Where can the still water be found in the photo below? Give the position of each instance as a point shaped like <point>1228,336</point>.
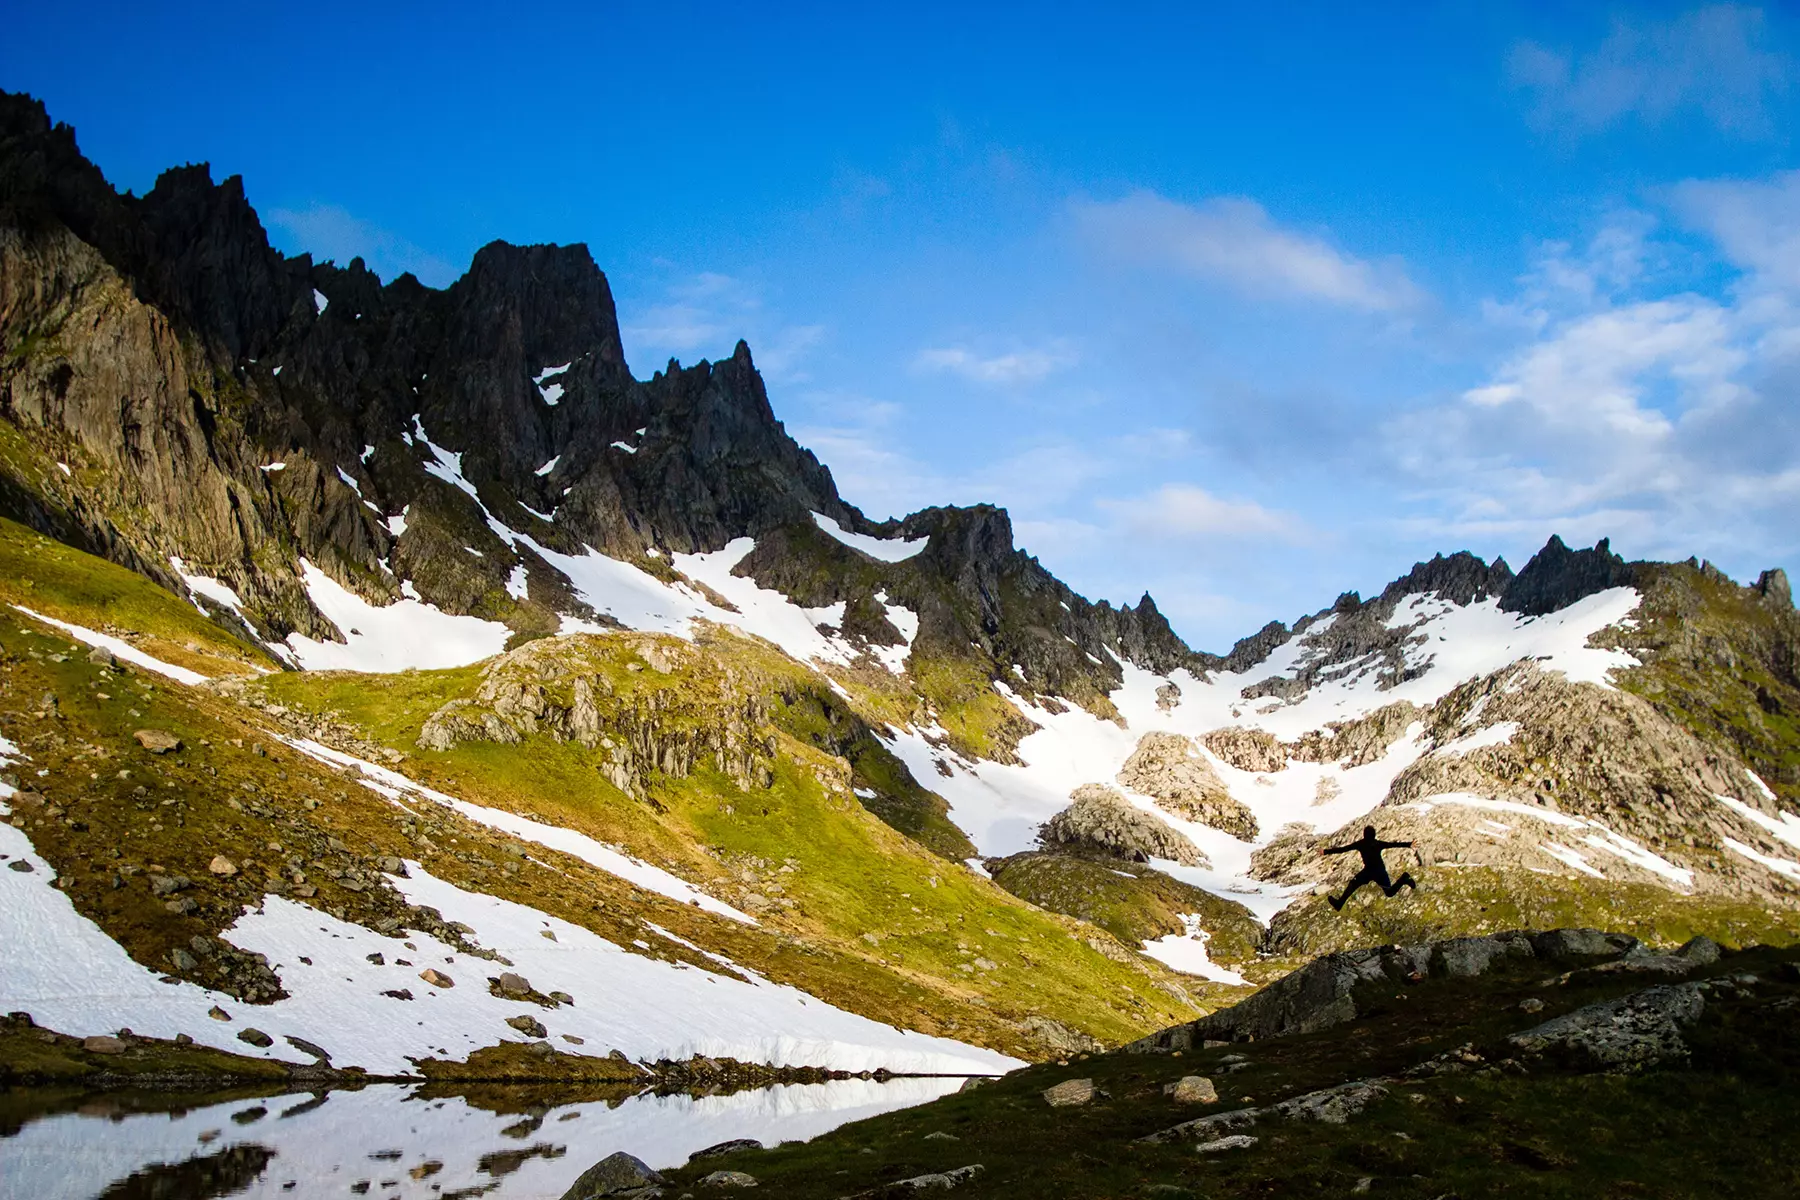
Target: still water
<point>393,1140</point>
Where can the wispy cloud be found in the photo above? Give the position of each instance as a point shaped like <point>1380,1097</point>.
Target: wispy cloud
<point>705,313</point>
<point>1186,512</point>
<point>1235,241</point>
<point>1714,61</point>
<point>329,232</point>
<point>1011,368</point>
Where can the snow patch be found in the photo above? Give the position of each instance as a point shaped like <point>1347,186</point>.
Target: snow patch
<point>1186,952</point>
<point>400,636</point>
<point>120,649</point>
<point>550,393</point>
<point>320,301</point>
<point>890,550</point>
<point>548,467</point>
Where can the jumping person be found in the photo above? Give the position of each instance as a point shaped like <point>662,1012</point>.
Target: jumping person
<point>1373,869</point>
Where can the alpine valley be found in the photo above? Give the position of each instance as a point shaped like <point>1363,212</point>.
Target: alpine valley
<point>393,687</point>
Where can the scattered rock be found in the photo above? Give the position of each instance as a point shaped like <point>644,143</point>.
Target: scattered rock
<point>313,1048</point>
<point>728,1179</point>
<point>436,978</point>
<point>528,1025</point>
<point>511,984</point>
<point>22,866</point>
<point>255,1037</point>
<point>157,741</point>
<point>103,1044</point>
<point>399,993</point>
<point>220,865</point>
<point>1069,1093</point>
<point>1192,1089</point>
<point>181,906</point>
<point>181,960</point>
<point>1531,1004</point>
<point>563,998</point>
<point>167,885</point>
<point>100,656</point>
<point>618,1174</point>
<point>218,1014</point>
<point>1236,1141</point>
<point>938,1135</point>
<point>721,1149</point>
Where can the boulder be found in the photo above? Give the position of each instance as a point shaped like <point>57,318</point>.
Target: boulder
<point>721,1149</point>
<point>1192,1089</point>
<point>528,1025</point>
<point>901,1189</point>
<point>1236,1141</point>
<point>100,656</point>
<point>511,984</point>
<point>728,1179</point>
<point>618,1174</point>
<point>1468,956</point>
<point>255,1037</point>
<point>220,865</point>
<point>1564,945</point>
<point>157,741</point>
<point>1070,1093</point>
<point>103,1044</point>
<point>436,978</point>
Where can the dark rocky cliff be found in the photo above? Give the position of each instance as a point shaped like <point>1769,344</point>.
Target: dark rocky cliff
<point>168,355</point>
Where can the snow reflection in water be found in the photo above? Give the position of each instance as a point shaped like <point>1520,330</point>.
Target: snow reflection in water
<point>406,1144</point>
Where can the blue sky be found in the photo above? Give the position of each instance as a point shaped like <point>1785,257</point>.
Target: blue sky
<point>1245,307</point>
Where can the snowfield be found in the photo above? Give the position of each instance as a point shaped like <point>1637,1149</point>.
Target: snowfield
<point>65,972</point>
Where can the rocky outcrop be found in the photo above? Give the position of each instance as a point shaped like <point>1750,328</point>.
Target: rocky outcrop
<point>1324,993</point>
<point>1104,822</point>
<point>1167,768</point>
<point>1247,749</point>
<point>1630,1033</point>
<point>567,689</point>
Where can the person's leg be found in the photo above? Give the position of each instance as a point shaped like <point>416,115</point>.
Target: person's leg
<point>1362,877</point>
<point>1405,880</point>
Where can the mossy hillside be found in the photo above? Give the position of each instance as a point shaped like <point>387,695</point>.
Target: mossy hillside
<point>1720,1125</point>
<point>1133,902</point>
<point>62,582</point>
<point>1723,661</point>
<point>942,945</point>
<point>1471,901</point>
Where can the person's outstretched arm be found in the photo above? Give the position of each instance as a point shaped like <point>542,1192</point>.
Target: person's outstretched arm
<point>1394,845</point>
<point>1339,849</point>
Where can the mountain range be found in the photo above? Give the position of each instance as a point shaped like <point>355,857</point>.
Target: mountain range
<point>410,611</point>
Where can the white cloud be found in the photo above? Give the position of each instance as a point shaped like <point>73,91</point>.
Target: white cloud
<point>1010,369</point>
<point>1234,240</point>
<point>1184,512</point>
<point>329,232</point>
<point>1755,222</point>
<point>1632,409</point>
<point>1712,61</point>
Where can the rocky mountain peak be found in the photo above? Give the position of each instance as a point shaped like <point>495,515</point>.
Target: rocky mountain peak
<point>1557,577</point>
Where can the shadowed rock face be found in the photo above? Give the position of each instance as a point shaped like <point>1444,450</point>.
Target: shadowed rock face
<point>1557,577</point>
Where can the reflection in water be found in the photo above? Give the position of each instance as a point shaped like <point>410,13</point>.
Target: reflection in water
<point>199,1178</point>
<point>393,1140</point>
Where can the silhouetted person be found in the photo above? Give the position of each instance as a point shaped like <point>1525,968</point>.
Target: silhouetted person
<point>1373,870</point>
